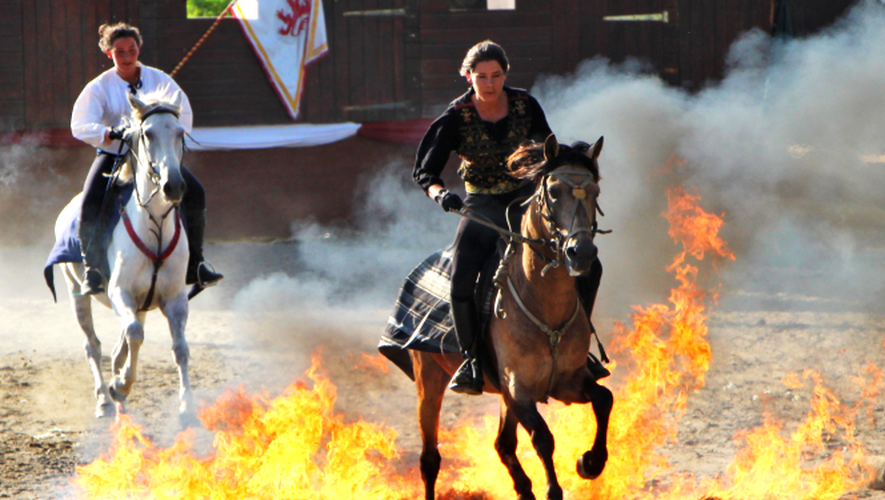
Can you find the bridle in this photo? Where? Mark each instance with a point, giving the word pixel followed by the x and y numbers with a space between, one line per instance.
pixel 151 169
pixel 560 236
pixel 159 256
pixel 545 210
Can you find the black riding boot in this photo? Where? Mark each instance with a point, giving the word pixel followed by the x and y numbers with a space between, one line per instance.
pixel 91 249
pixel 198 273
pixel 468 379
pixel 587 286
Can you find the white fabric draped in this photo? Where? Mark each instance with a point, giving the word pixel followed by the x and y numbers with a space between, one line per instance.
pixel 270 136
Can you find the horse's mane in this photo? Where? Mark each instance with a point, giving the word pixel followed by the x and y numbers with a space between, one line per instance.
pixel 528 162
pixel 154 100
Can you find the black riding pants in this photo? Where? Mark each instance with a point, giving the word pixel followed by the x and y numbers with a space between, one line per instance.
pixel 194 201
pixel 475 243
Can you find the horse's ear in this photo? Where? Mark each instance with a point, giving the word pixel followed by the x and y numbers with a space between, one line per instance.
pixel 176 99
pixel 135 102
pixel 551 148
pixel 595 149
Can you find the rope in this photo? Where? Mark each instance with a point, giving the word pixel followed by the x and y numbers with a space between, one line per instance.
pixel 203 38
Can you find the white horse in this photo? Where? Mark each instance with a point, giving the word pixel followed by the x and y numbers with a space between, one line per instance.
pixel 147 253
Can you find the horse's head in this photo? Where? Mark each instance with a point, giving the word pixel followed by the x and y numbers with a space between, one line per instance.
pixel 157 143
pixel 566 188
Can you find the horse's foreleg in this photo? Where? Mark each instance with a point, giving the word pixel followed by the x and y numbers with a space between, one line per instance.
pixel 592 463
pixel 82 305
pixel 431 381
pixel 526 412
pixel 126 350
pixel 119 354
pixel 176 312
pixel 505 445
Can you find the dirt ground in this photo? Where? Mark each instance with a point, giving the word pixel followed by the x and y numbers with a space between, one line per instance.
pixel 47 426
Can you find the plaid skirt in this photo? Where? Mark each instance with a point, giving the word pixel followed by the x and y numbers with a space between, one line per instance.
pixel 421 318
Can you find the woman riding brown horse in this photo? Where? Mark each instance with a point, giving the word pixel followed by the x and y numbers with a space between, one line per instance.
pixel 538 350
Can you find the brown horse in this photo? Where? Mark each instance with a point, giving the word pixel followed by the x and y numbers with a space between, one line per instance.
pixel 539 349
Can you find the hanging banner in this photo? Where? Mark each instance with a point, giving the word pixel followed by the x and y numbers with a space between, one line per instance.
pixel 286 35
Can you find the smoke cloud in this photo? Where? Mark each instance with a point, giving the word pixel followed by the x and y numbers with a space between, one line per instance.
pixel 787 148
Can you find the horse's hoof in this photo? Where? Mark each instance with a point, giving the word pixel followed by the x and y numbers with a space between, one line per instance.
pixel 105 410
pixel 114 394
pixel 188 419
pixel 592 463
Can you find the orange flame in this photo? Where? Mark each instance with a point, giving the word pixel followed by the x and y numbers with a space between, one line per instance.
pixel 666 356
pixel 295 446
pixel 367 362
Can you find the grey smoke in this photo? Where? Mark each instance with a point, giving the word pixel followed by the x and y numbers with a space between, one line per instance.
pixel 785 148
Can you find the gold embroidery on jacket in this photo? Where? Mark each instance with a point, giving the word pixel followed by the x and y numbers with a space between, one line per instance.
pixel 484 161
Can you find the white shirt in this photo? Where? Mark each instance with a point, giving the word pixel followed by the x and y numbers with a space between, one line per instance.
pixel 103 104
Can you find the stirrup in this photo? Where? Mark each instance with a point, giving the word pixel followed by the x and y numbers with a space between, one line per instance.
pixel 201 284
pixel 465 381
pixel 214 276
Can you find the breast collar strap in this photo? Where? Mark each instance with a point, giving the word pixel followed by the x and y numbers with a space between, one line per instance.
pixel 156 260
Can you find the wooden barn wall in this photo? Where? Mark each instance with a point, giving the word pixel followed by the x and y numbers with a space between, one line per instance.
pixel 360 79
pixel 690 49
pixel 388 59
pixel 12 69
pixel 445 36
pixel 60 54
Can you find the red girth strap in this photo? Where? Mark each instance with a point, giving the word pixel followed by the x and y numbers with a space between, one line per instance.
pixel 157 261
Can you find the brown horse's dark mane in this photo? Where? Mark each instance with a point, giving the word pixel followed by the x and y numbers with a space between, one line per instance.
pixel 528 162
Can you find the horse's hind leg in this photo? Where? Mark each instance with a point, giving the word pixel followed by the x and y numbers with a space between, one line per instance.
pixel 431 381
pixel 82 305
pixel 505 444
pixel 542 439
pixel 592 463
pixel 176 312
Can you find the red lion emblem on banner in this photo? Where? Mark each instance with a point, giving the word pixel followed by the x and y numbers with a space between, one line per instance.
pixel 298 20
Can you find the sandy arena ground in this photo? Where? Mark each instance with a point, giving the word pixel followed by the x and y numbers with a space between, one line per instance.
pixel 47 427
